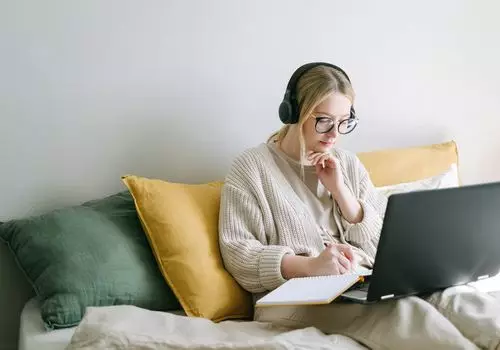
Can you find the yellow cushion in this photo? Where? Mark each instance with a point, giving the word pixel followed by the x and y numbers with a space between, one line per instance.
pixel 393 166
pixel 181 222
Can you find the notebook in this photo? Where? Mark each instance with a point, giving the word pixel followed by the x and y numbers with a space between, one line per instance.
pixel 312 290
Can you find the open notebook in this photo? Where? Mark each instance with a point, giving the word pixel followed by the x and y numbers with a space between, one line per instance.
pixel 312 290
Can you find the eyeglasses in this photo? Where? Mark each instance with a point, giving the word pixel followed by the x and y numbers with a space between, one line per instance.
pixel 326 124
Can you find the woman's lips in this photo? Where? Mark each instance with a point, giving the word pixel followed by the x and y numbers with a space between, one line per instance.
pixel 327 143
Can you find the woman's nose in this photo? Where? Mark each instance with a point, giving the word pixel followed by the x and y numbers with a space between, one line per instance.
pixel 334 132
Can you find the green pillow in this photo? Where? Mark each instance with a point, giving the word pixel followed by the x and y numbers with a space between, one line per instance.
pixel 94 254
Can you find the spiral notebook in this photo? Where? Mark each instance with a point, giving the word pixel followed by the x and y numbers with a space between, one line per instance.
pixel 311 290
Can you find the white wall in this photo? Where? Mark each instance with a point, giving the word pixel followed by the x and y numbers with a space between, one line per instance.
pixel 91 90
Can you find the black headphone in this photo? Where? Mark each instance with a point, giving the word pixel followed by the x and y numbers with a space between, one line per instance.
pixel 289 107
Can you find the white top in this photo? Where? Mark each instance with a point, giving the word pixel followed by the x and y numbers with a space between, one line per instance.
pixel 311 192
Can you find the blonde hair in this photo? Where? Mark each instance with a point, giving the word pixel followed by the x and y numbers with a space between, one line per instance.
pixel 313 87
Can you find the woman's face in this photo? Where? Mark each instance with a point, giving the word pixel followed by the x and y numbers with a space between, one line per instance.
pixel 335 108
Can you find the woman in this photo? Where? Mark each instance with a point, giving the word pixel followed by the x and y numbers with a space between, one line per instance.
pixel 297 206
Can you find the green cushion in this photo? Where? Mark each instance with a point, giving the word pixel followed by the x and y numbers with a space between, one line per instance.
pixel 94 254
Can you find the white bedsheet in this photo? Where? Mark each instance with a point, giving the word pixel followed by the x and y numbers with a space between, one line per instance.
pixel 129 327
pixel 32 334
pixel 121 326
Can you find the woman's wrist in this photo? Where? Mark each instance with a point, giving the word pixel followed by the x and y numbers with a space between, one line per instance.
pixel 339 191
pixel 349 206
pixel 294 266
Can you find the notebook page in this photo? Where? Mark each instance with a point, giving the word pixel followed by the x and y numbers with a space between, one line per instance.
pixel 309 290
pixel 362 271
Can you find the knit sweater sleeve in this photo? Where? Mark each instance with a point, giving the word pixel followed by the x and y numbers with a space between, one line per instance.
pixel 365 234
pixel 255 265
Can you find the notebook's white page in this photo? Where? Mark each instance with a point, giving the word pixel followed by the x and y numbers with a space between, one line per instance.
pixel 309 290
pixel 362 271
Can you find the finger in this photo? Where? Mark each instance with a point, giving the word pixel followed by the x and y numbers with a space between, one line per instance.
pixel 348 252
pixel 311 154
pixel 330 162
pixel 329 253
pixel 341 270
pixel 354 261
pixel 344 262
pixel 314 158
pixel 320 160
pixel 332 248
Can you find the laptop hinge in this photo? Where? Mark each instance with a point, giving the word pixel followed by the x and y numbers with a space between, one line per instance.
pixel 388 296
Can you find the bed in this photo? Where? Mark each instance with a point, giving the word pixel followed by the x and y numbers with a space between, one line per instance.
pixel 33 335
pixel 113 326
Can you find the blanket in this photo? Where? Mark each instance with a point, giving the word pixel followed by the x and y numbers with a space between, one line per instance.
pixel 130 327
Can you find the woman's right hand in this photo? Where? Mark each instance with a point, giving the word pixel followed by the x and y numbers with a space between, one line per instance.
pixel 335 259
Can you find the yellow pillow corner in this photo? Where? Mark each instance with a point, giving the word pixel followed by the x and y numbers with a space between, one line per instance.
pixel 181 224
pixel 400 165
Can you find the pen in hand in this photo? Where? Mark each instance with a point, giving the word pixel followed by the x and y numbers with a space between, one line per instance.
pixel 342 256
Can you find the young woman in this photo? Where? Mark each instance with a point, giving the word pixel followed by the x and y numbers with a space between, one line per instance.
pixel 298 206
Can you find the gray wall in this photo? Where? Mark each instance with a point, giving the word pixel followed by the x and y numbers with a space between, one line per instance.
pixel 92 90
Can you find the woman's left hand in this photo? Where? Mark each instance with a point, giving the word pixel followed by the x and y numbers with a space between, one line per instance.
pixel 328 170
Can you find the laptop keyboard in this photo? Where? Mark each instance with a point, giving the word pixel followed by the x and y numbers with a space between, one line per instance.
pixel 364 287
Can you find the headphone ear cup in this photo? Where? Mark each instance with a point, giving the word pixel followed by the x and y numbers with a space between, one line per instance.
pixel 285 112
pixel 353 113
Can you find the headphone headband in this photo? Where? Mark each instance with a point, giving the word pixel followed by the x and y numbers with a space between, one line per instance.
pixel 289 107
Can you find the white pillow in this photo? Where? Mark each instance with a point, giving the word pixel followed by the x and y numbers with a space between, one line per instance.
pixel 444 180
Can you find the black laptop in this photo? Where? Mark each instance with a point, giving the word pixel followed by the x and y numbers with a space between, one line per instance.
pixel 434 239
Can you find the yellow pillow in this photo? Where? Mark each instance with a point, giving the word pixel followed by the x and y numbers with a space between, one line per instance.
pixel 181 222
pixel 393 166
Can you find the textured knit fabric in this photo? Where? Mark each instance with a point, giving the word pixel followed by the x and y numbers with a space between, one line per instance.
pixel 315 197
pixel 310 190
pixel 262 218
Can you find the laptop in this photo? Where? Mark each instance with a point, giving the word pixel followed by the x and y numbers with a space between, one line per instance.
pixel 434 239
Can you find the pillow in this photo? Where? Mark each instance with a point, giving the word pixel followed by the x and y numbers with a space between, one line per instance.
pixel 394 166
pixel 445 180
pixel 94 254
pixel 181 222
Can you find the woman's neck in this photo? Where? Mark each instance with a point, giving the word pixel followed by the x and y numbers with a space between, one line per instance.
pixel 290 144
